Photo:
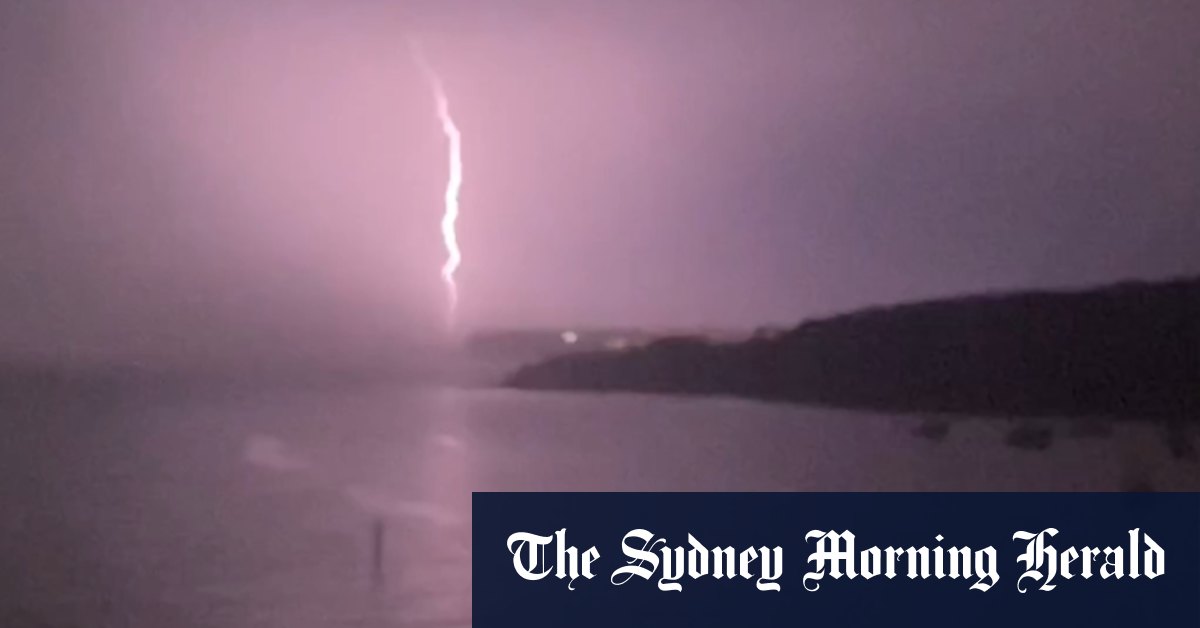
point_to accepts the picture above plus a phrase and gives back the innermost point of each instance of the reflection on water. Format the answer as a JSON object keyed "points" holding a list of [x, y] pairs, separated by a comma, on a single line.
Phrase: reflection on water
{"points": [[257, 510]]}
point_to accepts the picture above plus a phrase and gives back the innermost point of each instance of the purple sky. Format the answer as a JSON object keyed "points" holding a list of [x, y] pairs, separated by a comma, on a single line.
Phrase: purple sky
{"points": [[195, 179]]}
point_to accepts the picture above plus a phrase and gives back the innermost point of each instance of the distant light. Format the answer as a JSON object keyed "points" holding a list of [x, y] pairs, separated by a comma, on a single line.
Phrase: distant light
{"points": [[570, 337], [616, 343]]}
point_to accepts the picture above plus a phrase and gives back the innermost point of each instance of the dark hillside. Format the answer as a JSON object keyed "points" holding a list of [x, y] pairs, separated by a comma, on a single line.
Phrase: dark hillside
{"points": [[1131, 349]]}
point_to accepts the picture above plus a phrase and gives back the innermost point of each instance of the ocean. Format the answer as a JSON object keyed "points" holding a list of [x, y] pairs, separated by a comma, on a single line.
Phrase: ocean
{"points": [[247, 508]]}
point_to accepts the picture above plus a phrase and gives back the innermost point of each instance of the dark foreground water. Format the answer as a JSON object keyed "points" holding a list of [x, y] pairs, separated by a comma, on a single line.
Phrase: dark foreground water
{"points": [[255, 509]]}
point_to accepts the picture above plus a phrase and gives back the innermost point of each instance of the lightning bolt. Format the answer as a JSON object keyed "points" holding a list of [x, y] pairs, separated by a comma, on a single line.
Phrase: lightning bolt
{"points": [[453, 182]]}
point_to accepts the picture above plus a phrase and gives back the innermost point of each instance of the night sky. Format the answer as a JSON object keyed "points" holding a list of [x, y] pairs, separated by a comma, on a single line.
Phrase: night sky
{"points": [[189, 180]]}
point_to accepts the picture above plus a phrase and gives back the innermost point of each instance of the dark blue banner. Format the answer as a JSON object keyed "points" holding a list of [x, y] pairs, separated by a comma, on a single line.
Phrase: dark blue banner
{"points": [[836, 559]]}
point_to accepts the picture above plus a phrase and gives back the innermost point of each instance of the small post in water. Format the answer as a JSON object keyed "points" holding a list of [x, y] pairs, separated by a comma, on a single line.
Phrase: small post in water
{"points": [[377, 537]]}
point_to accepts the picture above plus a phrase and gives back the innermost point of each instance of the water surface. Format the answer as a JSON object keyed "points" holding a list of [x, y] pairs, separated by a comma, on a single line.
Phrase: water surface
{"points": [[255, 509]]}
